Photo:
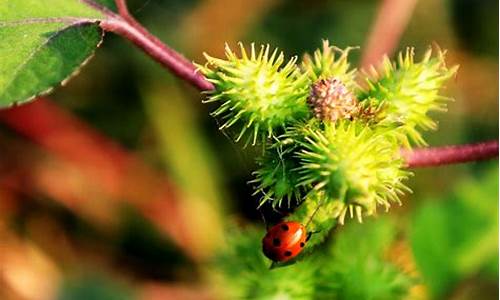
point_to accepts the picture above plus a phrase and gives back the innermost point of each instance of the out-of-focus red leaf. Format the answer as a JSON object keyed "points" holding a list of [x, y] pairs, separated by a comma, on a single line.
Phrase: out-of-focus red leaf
{"points": [[88, 164]]}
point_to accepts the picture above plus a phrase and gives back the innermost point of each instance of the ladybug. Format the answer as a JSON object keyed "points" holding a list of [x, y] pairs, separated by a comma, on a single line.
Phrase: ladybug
{"points": [[285, 241]]}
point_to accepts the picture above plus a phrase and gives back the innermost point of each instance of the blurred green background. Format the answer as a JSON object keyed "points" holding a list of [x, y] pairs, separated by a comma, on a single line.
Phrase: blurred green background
{"points": [[53, 249]]}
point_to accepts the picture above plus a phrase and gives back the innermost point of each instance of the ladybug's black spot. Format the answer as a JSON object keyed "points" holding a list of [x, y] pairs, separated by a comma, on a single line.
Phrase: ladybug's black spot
{"points": [[276, 242], [284, 227], [270, 254], [288, 253], [302, 245]]}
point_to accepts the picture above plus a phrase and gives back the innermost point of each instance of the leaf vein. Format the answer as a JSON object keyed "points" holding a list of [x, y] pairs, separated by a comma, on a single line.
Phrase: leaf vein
{"points": [[65, 20]]}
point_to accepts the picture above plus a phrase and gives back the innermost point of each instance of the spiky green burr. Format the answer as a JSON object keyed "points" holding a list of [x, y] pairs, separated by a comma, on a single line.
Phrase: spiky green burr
{"points": [[259, 94], [330, 146], [330, 62], [410, 91], [276, 179], [351, 165]]}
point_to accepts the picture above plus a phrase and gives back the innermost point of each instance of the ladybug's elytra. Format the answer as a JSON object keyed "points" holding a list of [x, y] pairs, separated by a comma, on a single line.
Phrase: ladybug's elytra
{"points": [[284, 241]]}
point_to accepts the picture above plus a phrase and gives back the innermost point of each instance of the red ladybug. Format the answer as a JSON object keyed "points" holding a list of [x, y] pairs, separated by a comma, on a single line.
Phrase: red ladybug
{"points": [[284, 241]]}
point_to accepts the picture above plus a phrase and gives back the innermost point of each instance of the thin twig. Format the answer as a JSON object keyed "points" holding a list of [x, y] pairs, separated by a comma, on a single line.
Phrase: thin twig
{"points": [[126, 26], [158, 51], [125, 14], [121, 5], [437, 156]]}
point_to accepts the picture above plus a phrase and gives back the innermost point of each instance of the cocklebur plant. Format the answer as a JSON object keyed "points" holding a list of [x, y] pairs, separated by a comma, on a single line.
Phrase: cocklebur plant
{"points": [[410, 91], [277, 179], [352, 166], [324, 64], [42, 55], [259, 93], [331, 135], [348, 169]]}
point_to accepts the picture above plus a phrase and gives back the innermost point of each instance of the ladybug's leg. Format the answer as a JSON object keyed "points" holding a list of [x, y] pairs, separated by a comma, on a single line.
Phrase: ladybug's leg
{"points": [[263, 218], [311, 233]]}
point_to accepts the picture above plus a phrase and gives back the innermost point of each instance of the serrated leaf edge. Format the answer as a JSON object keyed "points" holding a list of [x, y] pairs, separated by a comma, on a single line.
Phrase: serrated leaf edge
{"points": [[66, 79]]}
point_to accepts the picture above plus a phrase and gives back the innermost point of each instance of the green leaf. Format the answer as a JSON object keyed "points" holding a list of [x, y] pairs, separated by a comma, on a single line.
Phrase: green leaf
{"points": [[43, 44]]}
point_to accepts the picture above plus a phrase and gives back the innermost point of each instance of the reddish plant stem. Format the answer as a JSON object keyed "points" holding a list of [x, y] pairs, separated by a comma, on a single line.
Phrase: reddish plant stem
{"points": [[390, 23], [437, 156], [127, 17], [126, 26], [121, 5]]}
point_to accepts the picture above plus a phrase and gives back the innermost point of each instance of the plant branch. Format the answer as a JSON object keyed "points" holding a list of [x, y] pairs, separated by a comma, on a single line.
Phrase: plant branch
{"points": [[437, 156], [385, 29], [121, 5], [126, 26], [125, 14], [391, 20]]}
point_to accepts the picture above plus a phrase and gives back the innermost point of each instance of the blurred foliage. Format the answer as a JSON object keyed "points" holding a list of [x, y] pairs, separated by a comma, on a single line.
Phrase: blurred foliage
{"points": [[297, 26], [353, 265], [358, 269], [95, 287], [468, 16], [139, 245], [455, 236]]}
